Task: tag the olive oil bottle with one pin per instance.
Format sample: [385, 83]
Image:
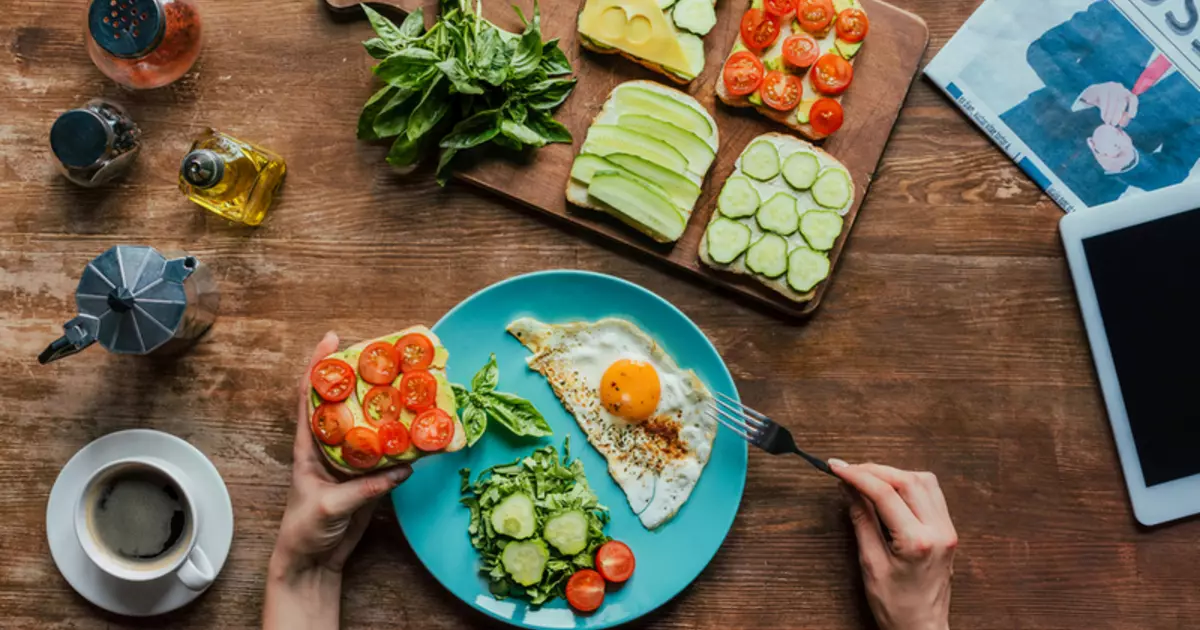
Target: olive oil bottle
[232, 178]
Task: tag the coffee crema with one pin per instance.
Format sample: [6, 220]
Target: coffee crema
[139, 517]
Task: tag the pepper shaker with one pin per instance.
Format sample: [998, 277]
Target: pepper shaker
[143, 44]
[94, 143]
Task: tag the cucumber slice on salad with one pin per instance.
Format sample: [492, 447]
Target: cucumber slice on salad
[567, 532]
[665, 4]
[821, 228]
[683, 191]
[634, 99]
[738, 198]
[696, 16]
[779, 215]
[525, 561]
[514, 516]
[726, 240]
[800, 170]
[806, 268]
[587, 164]
[606, 139]
[638, 205]
[832, 188]
[698, 152]
[768, 256]
[693, 49]
[761, 161]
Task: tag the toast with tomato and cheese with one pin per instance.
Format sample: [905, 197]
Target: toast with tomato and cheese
[793, 61]
[667, 41]
[384, 402]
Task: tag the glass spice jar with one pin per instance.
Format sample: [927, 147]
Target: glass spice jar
[143, 44]
[94, 143]
[230, 177]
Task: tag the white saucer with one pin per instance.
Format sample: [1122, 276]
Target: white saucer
[119, 596]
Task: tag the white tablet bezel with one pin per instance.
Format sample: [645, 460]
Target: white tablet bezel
[1173, 499]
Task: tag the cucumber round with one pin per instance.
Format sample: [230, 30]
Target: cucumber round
[768, 256]
[800, 170]
[514, 516]
[821, 228]
[567, 532]
[761, 161]
[665, 4]
[738, 198]
[693, 49]
[779, 215]
[806, 268]
[696, 16]
[832, 188]
[726, 240]
[525, 561]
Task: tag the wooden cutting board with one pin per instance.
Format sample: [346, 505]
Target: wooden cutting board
[883, 73]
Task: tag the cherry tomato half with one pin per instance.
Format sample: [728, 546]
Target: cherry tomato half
[418, 390]
[394, 437]
[433, 430]
[743, 73]
[331, 421]
[779, 8]
[416, 352]
[382, 404]
[361, 449]
[852, 25]
[800, 50]
[333, 379]
[781, 91]
[379, 363]
[832, 74]
[825, 116]
[585, 590]
[759, 29]
[814, 15]
[614, 560]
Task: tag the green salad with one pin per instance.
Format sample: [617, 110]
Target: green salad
[535, 522]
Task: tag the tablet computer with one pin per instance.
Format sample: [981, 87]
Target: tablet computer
[1136, 267]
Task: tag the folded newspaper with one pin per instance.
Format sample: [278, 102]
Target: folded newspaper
[1094, 100]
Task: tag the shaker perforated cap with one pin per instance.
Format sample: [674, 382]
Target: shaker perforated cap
[132, 299]
[126, 28]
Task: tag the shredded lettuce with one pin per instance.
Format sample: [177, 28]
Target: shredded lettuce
[556, 485]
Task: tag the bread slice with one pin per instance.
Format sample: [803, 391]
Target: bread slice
[445, 402]
[786, 144]
[597, 47]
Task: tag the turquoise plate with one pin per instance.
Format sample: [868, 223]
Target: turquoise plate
[669, 558]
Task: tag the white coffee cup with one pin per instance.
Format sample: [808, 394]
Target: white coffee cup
[183, 558]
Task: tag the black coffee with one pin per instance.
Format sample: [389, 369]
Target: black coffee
[139, 515]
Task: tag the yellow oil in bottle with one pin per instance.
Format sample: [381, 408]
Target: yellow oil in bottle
[230, 177]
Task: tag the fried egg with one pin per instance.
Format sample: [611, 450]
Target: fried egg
[643, 413]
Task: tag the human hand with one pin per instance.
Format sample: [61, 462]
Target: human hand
[1112, 148]
[908, 579]
[1116, 103]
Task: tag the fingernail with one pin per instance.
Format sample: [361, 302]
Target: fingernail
[837, 463]
[398, 474]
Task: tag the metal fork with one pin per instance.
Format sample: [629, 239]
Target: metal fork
[759, 430]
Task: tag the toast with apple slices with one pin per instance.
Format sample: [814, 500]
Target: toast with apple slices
[332, 437]
[772, 58]
[645, 159]
[669, 42]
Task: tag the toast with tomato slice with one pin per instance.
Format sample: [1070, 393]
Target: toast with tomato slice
[384, 402]
[792, 70]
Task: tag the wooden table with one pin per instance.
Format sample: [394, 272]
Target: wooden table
[949, 341]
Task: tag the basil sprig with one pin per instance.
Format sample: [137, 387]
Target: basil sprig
[482, 402]
[461, 84]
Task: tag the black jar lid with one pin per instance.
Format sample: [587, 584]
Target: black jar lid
[202, 168]
[126, 28]
[80, 138]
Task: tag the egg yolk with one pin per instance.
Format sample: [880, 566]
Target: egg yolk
[630, 389]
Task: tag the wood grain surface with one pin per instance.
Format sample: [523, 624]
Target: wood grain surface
[950, 342]
[882, 76]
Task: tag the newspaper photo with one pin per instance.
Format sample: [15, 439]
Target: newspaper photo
[1094, 100]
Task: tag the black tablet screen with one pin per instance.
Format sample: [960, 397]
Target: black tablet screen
[1147, 280]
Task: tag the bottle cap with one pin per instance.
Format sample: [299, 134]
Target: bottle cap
[127, 28]
[80, 138]
[202, 168]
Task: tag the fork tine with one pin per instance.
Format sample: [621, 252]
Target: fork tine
[750, 412]
[728, 418]
[737, 430]
[740, 410]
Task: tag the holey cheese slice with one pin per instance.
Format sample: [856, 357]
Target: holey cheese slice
[638, 27]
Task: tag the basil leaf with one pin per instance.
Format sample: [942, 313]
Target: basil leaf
[430, 110]
[515, 111]
[473, 131]
[554, 60]
[442, 174]
[550, 129]
[529, 48]
[375, 104]
[486, 378]
[457, 73]
[521, 133]
[414, 24]
[462, 397]
[404, 152]
[505, 142]
[474, 421]
[385, 28]
[550, 93]
[492, 56]
[516, 414]
[392, 120]
[377, 48]
[403, 70]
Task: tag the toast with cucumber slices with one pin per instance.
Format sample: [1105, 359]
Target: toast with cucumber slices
[384, 402]
[645, 158]
[779, 214]
[793, 60]
[662, 35]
